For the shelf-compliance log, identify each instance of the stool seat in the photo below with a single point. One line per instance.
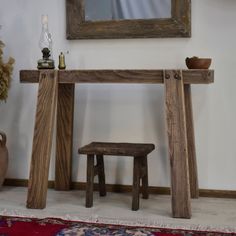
(138, 151)
(117, 149)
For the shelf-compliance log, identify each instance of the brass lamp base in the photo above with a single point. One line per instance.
(46, 64)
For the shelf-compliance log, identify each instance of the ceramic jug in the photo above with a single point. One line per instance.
(3, 157)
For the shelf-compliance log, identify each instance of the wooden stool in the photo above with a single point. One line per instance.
(140, 169)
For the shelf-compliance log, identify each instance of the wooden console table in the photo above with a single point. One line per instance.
(56, 90)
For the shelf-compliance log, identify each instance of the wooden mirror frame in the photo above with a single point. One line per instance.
(179, 25)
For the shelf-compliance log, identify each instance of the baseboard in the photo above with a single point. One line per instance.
(128, 188)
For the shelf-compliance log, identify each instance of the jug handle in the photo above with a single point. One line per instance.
(4, 138)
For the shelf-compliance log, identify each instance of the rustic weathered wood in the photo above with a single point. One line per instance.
(92, 171)
(90, 178)
(198, 76)
(64, 139)
(179, 25)
(178, 149)
(112, 76)
(136, 183)
(29, 76)
(144, 165)
(117, 149)
(140, 169)
(192, 161)
(42, 141)
(120, 76)
(181, 12)
(101, 176)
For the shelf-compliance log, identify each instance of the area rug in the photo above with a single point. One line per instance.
(21, 226)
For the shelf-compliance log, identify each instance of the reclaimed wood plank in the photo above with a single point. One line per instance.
(136, 183)
(178, 149)
(64, 138)
(178, 25)
(120, 76)
(29, 76)
(198, 76)
(117, 149)
(112, 76)
(90, 178)
(42, 140)
(192, 161)
(144, 178)
(101, 175)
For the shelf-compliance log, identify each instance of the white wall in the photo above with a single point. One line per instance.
(132, 113)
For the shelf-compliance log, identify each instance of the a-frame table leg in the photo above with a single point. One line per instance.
(64, 137)
(192, 161)
(42, 140)
(178, 149)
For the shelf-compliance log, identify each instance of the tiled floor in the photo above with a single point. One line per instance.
(116, 208)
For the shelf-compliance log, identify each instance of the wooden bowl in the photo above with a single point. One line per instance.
(198, 63)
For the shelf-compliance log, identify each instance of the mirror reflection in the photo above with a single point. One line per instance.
(126, 9)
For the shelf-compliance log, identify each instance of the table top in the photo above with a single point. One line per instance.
(117, 149)
(120, 76)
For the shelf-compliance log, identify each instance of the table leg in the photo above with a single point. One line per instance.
(192, 162)
(178, 151)
(42, 141)
(64, 139)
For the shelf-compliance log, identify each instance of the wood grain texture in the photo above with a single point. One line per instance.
(101, 176)
(144, 178)
(117, 149)
(76, 16)
(192, 161)
(178, 151)
(198, 76)
(64, 138)
(42, 140)
(120, 76)
(112, 76)
(136, 183)
(181, 12)
(90, 178)
(29, 76)
(140, 169)
(178, 25)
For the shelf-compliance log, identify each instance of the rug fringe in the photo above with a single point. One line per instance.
(142, 222)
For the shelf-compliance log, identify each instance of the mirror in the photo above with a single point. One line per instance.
(107, 19)
(126, 9)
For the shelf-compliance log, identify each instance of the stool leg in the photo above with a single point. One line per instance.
(101, 176)
(145, 178)
(90, 178)
(136, 184)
